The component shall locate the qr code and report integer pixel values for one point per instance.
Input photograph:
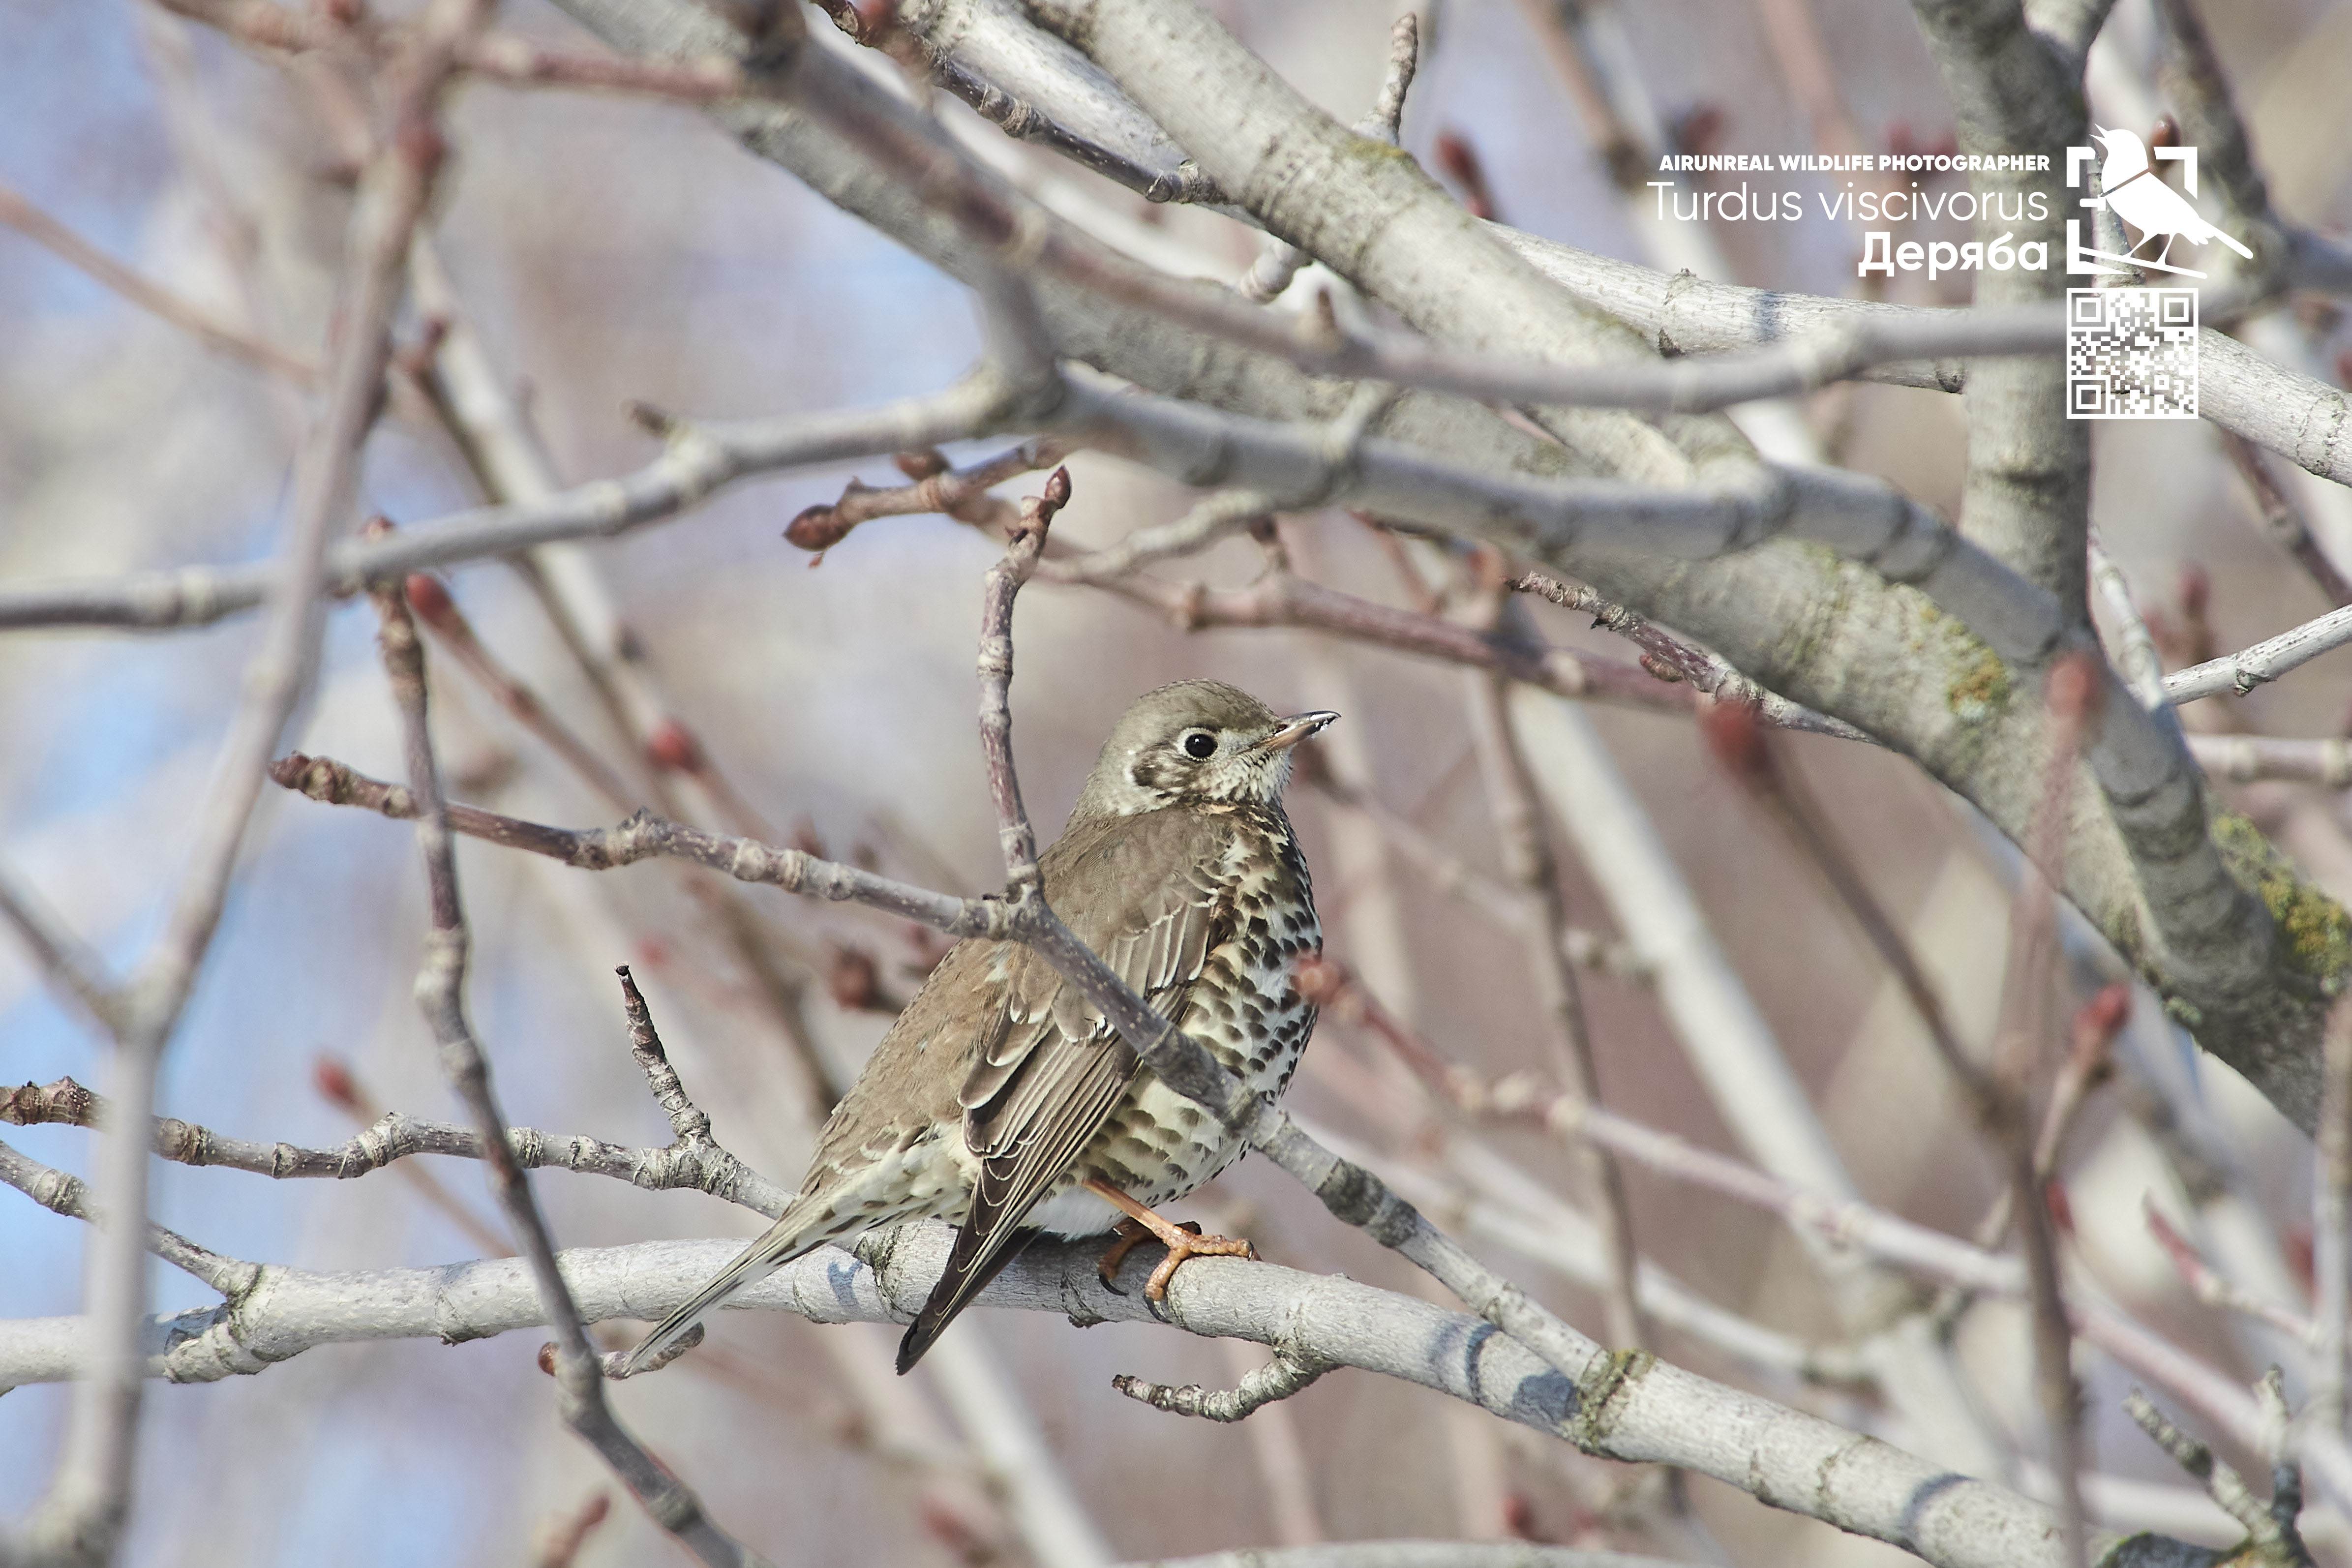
(2131, 353)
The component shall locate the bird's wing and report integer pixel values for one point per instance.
(908, 1089)
(1156, 903)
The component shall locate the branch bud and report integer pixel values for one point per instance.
(429, 599)
(673, 749)
(1734, 734)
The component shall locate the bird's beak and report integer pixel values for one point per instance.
(2100, 136)
(1294, 729)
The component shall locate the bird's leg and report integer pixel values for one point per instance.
(1183, 1241)
(1124, 1241)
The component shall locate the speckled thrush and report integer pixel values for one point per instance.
(1001, 1101)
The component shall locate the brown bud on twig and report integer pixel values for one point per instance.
(2167, 133)
(920, 465)
(1698, 128)
(2062, 1207)
(816, 529)
(673, 749)
(1734, 734)
(2098, 1021)
(1038, 512)
(2196, 590)
(855, 981)
(1318, 325)
(955, 1530)
(650, 419)
(2071, 689)
(1319, 980)
(560, 1548)
(333, 1081)
(1460, 164)
(429, 599)
(421, 145)
(1520, 1518)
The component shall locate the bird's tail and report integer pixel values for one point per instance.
(2232, 243)
(799, 1231)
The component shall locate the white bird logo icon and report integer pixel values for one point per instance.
(2131, 190)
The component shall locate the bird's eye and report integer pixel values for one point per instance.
(1200, 745)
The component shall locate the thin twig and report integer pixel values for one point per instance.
(1215, 516)
(1285, 599)
(961, 493)
(1841, 1221)
(1280, 1378)
(393, 1137)
(378, 1130)
(441, 995)
(71, 964)
(2070, 694)
(1015, 837)
(429, 602)
(2238, 673)
(695, 461)
(1670, 658)
(2089, 1062)
(45, 230)
(2206, 1283)
(1455, 876)
(2284, 519)
(511, 465)
(1278, 261)
(1527, 863)
(561, 1537)
(66, 1195)
(2270, 1543)
(2136, 655)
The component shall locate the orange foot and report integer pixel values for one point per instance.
(1183, 1241)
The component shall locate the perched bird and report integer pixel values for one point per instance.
(2129, 185)
(1002, 1100)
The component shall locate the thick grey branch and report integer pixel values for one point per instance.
(1633, 1407)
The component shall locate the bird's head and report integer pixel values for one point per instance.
(2126, 154)
(1197, 741)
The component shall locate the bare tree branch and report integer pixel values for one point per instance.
(2241, 672)
(689, 1162)
(440, 995)
(696, 460)
(66, 1195)
(1280, 1378)
(46, 231)
(81, 1518)
(1633, 1408)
